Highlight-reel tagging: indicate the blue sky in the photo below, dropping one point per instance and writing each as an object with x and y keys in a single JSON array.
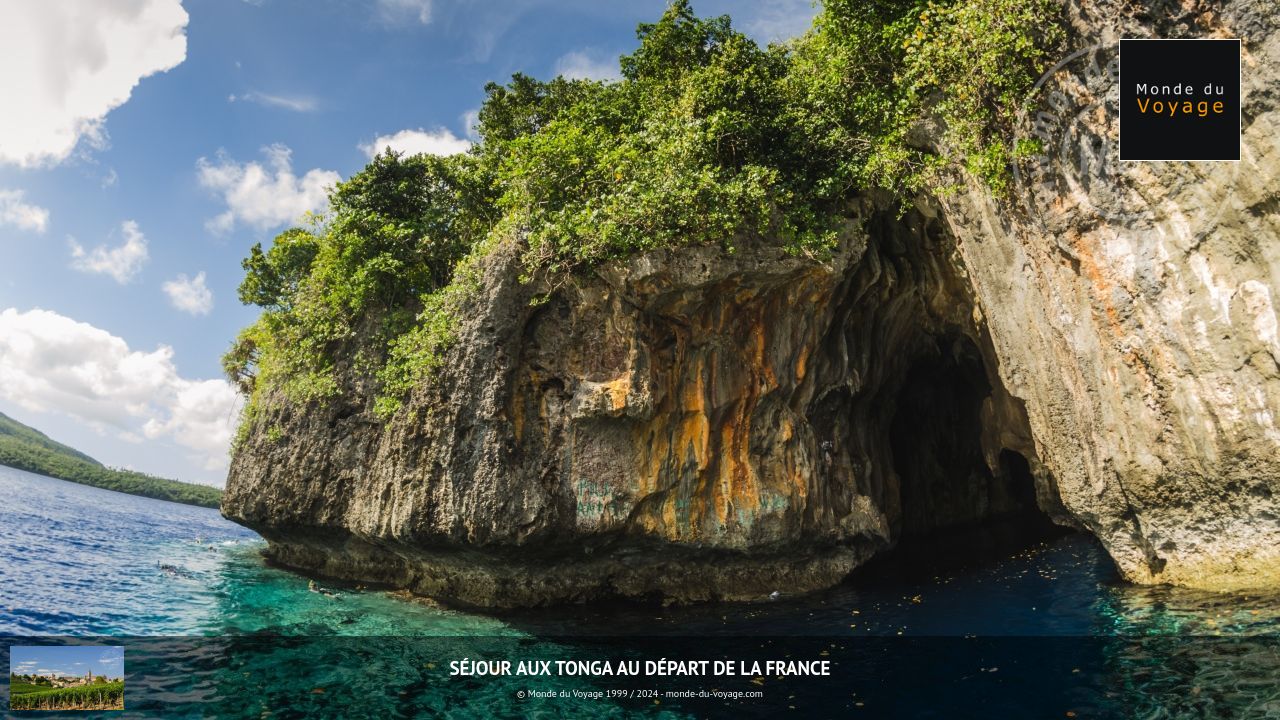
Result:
[
  {"x": 157, "y": 141},
  {"x": 70, "y": 660}
]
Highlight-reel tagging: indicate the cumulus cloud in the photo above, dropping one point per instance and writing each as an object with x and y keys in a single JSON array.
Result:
[
  {"x": 415, "y": 142},
  {"x": 20, "y": 214},
  {"x": 400, "y": 12},
  {"x": 264, "y": 196},
  {"x": 189, "y": 295},
  {"x": 588, "y": 65},
  {"x": 51, "y": 363},
  {"x": 296, "y": 103},
  {"x": 67, "y": 63},
  {"x": 121, "y": 262}
]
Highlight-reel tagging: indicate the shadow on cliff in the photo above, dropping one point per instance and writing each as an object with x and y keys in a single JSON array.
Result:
[{"x": 957, "y": 510}]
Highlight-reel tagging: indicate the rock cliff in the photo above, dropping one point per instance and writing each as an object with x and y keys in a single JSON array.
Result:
[
  {"x": 696, "y": 424},
  {"x": 1134, "y": 318}
]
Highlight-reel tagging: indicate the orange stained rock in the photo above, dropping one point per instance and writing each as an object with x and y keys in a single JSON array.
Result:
[
  {"x": 706, "y": 474},
  {"x": 1101, "y": 289},
  {"x": 618, "y": 389},
  {"x": 762, "y": 369},
  {"x": 736, "y": 488},
  {"x": 677, "y": 435}
]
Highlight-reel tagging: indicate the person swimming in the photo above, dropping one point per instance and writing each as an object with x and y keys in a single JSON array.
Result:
[{"x": 313, "y": 587}]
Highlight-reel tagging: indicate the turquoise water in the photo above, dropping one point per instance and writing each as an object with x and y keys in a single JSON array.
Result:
[{"x": 212, "y": 631}]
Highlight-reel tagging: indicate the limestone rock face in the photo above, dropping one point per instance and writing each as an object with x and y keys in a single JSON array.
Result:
[
  {"x": 1136, "y": 320},
  {"x": 693, "y": 424},
  {"x": 698, "y": 424}
]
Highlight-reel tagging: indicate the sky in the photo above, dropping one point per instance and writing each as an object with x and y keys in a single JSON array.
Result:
[
  {"x": 146, "y": 145},
  {"x": 67, "y": 660}
]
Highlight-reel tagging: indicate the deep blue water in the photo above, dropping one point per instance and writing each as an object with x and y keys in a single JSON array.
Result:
[
  {"x": 211, "y": 631},
  {"x": 79, "y": 560}
]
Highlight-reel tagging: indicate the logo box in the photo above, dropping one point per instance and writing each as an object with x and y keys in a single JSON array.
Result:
[{"x": 1180, "y": 99}]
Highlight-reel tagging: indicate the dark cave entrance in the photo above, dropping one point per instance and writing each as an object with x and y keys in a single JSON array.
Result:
[{"x": 954, "y": 507}]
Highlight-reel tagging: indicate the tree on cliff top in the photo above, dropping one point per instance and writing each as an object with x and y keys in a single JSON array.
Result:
[{"x": 708, "y": 138}]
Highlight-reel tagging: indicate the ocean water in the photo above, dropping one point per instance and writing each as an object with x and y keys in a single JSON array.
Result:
[
  {"x": 78, "y": 560},
  {"x": 211, "y": 631}
]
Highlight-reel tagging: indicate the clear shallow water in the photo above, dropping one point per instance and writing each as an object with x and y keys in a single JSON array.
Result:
[{"x": 211, "y": 631}]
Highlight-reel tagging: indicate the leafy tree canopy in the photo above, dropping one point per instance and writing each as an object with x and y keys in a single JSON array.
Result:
[{"x": 708, "y": 138}]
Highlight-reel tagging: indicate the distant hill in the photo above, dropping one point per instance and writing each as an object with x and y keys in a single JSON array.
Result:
[
  {"x": 26, "y": 448},
  {"x": 32, "y": 436}
]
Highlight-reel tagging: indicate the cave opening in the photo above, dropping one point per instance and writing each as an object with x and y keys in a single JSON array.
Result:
[{"x": 955, "y": 509}]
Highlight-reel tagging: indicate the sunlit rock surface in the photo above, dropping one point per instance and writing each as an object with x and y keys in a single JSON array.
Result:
[{"x": 1136, "y": 320}]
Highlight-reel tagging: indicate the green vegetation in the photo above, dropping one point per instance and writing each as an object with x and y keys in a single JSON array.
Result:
[
  {"x": 29, "y": 449},
  {"x": 708, "y": 138},
  {"x": 12, "y": 429},
  {"x": 98, "y": 696}
]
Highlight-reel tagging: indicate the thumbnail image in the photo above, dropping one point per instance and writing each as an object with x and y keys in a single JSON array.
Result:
[{"x": 81, "y": 677}]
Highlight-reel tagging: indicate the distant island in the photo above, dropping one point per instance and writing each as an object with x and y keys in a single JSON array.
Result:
[{"x": 26, "y": 448}]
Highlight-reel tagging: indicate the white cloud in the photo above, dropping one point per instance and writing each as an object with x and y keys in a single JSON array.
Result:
[
  {"x": 122, "y": 262},
  {"x": 189, "y": 294},
  {"x": 67, "y": 63},
  {"x": 22, "y": 215},
  {"x": 264, "y": 196},
  {"x": 51, "y": 363},
  {"x": 588, "y": 65},
  {"x": 110, "y": 179},
  {"x": 296, "y": 103},
  {"x": 400, "y": 12},
  {"x": 471, "y": 122},
  {"x": 414, "y": 142},
  {"x": 779, "y": 20}
]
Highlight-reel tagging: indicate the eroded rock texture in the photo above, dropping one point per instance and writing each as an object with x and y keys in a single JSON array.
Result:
[
  {"x": 1135, "y": 318},
  {"x": 695, "y": 424},
  {"x": 692, "y": 424}
]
